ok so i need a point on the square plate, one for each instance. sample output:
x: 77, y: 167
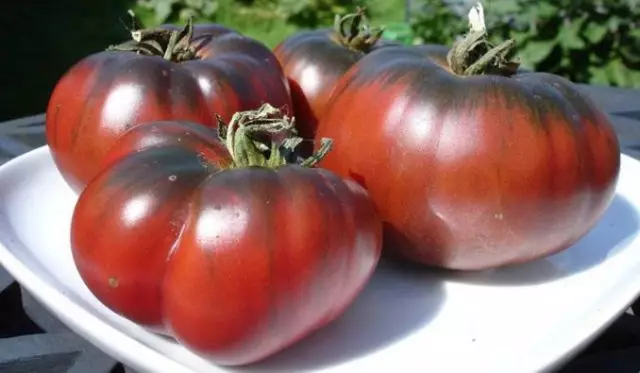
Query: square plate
x: 525, y: 318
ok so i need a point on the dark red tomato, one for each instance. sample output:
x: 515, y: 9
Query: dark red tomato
x: 236, y: 263
x: 213, y: 71
x: 471, y: 163
x: 314, y: 60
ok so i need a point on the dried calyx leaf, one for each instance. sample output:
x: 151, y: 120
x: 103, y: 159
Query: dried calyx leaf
x: 265, y: 137
x: 354, y: 32
x: 172, y: 45
x: 475, y: 55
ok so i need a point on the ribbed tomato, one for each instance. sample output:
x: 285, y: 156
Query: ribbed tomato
x: 233, y: 252
x: 314, y: 60
x: 471, y: 163
x: 162, y: 74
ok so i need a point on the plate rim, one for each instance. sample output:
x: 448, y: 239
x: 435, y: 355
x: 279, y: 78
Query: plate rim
x: 94, y: 329
x: 62, y: 306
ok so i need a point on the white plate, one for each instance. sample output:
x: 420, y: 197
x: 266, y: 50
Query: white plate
x: 522, y: 319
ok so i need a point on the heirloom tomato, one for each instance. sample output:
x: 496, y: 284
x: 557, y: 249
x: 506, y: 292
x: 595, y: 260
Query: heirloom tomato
x: 161, y: 74
x: 314, y: 60
x: 223, y: 244
x: 471, y: 162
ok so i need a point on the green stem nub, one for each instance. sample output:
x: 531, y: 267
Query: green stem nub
x: 265, y: 138
x: 475, y: 55
x: 172, y: 45
x: 353, y: 31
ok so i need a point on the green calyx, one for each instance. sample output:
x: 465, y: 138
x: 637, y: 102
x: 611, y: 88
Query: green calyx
x: 354, y: 32
x: 172, y: 45
x: 473, y: 54
x: 265, y: 138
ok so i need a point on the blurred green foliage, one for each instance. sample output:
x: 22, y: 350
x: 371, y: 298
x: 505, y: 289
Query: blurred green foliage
x: 171, y: 11
x: 596, y: 42
x: 267, y: 20
x: 588, y: 41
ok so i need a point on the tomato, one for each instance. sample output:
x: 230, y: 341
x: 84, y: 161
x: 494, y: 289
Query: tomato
x: 211, y: 70
x: 472, y: 163
x: 235, y: 254
x: 314, y: 60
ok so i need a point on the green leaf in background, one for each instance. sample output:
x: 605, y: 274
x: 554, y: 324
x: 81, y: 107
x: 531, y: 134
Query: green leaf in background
x: 615, y: 72
x: 518, y: 36
x: 545, y: 9
x: 630, y: 53
x: 400, y: 32
x: 613, y: 24
x: 163, y: 10
x: 197, y: 4
x: 569, y: 35
x: 187, y: 13
x: 620, y: 75
x: 535, y: 51
x: 435, y: 22
x: 502, y: 6
x: 598, y: 75
x: 594, y: 32
x: 210, y: 8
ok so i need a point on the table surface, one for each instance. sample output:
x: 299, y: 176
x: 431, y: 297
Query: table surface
x: 34, y: 341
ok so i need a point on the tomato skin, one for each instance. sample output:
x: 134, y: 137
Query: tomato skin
x: 313, y: 61
x: 265, y: 272
x: 236, y: 264
x: 471, y: 172
x: 109, y: 92
x: 162, y: 163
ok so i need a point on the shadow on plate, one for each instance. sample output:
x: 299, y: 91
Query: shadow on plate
x: 396, y: 302
x: 618, y: 224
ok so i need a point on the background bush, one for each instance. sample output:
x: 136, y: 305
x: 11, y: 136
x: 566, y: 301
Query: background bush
x: 596, y: 42
x: 587, y: 41
x: 267, y: 20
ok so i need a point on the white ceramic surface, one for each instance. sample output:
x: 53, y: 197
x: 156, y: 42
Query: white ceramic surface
x: 527, y: 318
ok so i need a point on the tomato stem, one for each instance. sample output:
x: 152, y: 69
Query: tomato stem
x: 265, y: 138
x: 172, y: 45
x: 475, y: 55
x: 325, y: 146
x: 353, y: 31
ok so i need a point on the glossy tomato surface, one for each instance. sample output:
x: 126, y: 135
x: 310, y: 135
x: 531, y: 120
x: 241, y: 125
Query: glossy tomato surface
x: 314, y: 60
x: 109, y: 92
x: 471, y: 172
x: 235, y: 263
